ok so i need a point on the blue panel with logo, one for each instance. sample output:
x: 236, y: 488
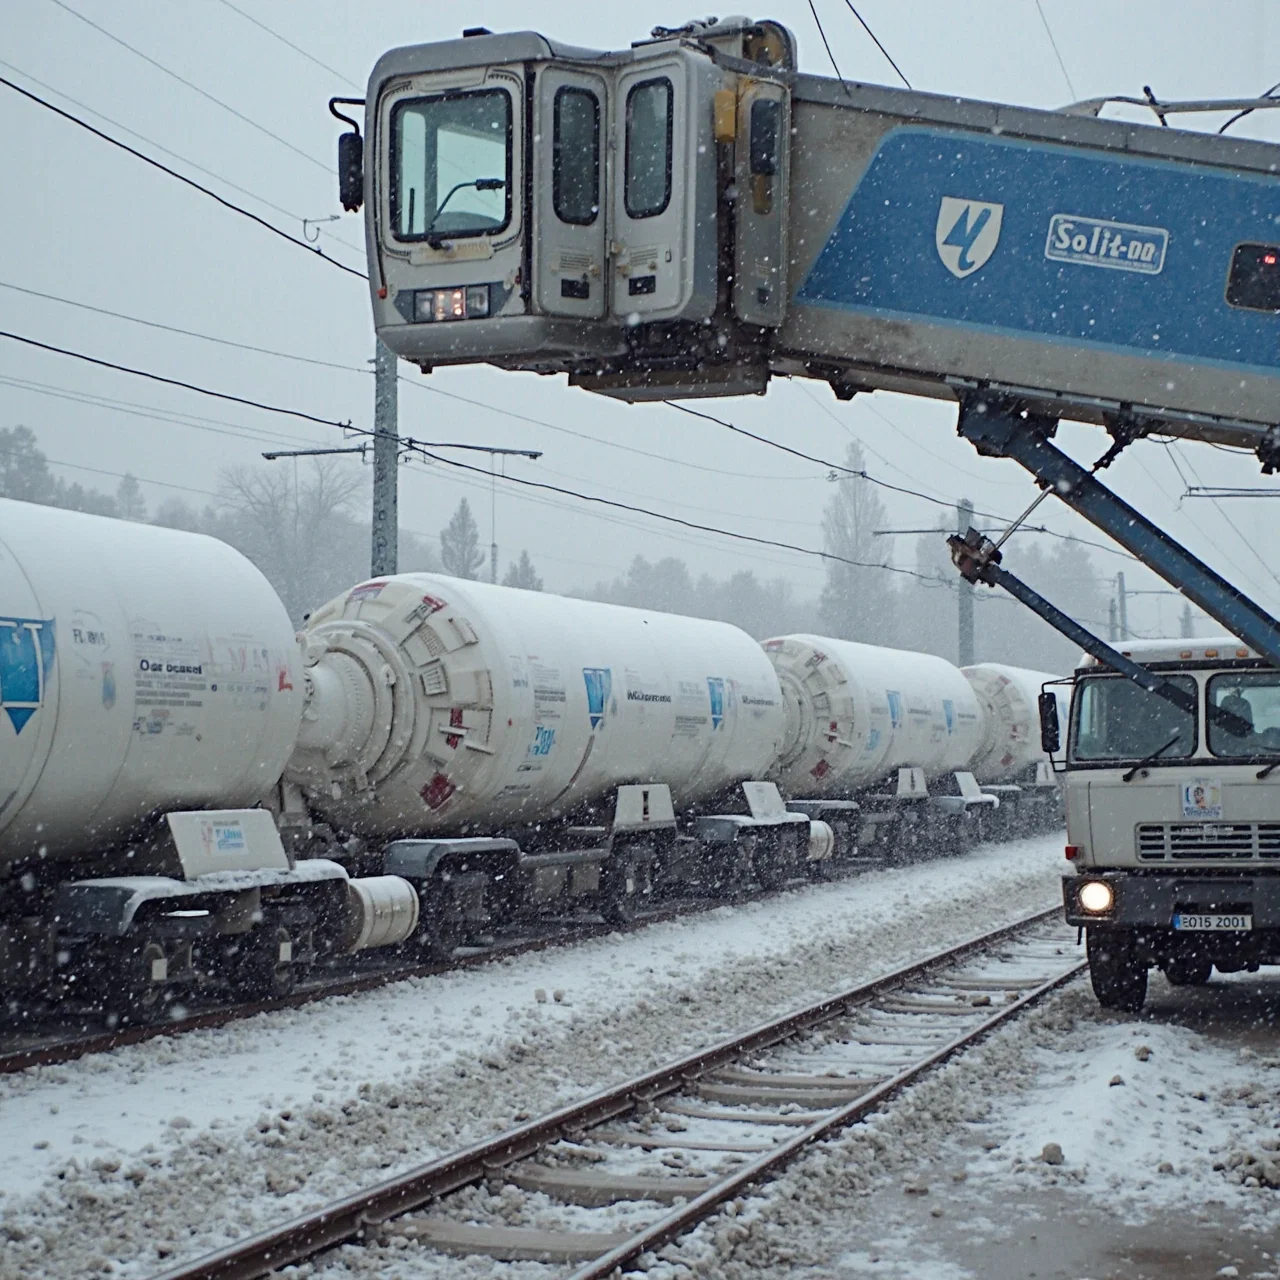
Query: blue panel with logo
x: 26, y: 661
x: 1039, y: 240
x: 599, y: 682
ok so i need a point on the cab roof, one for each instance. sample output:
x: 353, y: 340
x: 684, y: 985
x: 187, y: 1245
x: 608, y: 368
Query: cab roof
x: 1198, y: 650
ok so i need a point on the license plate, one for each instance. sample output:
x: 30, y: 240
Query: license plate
x: 1212, y: 922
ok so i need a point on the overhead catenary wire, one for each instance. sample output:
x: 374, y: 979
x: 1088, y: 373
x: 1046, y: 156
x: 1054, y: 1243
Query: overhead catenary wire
x: 1057, y: 53
x: 190, y: 84
x: 313, y: 250
x: 863, y: 474
x: 297, y: 48
x: 425, y: 449
x: 826, y: 44
x: 888, y: 56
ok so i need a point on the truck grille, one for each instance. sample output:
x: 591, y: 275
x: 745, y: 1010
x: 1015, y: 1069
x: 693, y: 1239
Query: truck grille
x: 1205, y: 841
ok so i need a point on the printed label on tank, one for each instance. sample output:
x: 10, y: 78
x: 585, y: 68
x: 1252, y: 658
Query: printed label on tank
x: 171, y: 682
x: 691, y: 716
x: 223, y: 837
x: 715, y: 690
x: 549, y: 698
x: 895, y: 707
x: 1093, y: 242
x: 967, y: 233
x: 599, y: 682
x: 26, y: 661
x: 243, y: 673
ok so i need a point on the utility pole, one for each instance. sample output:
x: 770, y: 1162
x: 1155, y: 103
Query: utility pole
x: 386, y: 458
x: 1113, y: 629
x: 964, y: 606
x: 1124, y: 607
x: 1188, y: 631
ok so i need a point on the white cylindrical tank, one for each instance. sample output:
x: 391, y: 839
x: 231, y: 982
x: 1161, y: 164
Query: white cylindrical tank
x: 1011, y: 733
x: 141, y: 669
x: 437, y: 704
x: 856, y: 713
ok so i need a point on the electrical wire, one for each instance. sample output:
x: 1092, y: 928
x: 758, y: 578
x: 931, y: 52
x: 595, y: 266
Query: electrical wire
x: 177, y: 155
x: 314, y: 250
x: 195, y: 88
x: 324, y: 66
x: 1240, y: 115
x: 879, y: 46
x: 1057, y: 53
x: 427, y: 450
x: 862, y: 474
x: 826, y: 44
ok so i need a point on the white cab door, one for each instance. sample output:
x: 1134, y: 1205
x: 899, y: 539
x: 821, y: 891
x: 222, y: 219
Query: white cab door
x: 570, y: 134
x: 650, y: 191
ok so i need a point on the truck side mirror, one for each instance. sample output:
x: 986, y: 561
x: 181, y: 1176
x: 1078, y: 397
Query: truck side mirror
x: 766, y: 116
x: 351, y: 171
x: 1050, y: 732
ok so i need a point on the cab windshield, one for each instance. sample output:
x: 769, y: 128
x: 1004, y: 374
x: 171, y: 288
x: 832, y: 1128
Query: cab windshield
x: 451, y: 165
x: 1118, y: 720
x: 1253, y: 696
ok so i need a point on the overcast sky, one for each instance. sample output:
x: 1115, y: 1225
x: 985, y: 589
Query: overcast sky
x: 83, y: 221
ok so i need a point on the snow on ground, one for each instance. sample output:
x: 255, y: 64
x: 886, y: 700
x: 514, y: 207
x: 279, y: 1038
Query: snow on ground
x: 1168, y: 1128
x: 161, y: 1150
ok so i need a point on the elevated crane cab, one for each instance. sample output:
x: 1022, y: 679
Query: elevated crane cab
x: 620, y: 217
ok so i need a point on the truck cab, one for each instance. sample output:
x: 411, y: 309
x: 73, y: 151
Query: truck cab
x: 1173, y: 816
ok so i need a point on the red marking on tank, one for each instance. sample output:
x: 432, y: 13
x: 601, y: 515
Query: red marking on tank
x: 1007, y: 759
x: 437, y: 791
x: 283, y: 682
x: 435, y: 605
x: 365, y: 591
x: 821, y: 769
x: 455, y: 722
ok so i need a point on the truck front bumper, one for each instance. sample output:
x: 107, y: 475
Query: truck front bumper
x: 1150, y: 900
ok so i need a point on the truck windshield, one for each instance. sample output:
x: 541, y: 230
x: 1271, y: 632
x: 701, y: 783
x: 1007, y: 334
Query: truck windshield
x: 451, y: 165
x: 1254, y: 696
x: 1117, y: 720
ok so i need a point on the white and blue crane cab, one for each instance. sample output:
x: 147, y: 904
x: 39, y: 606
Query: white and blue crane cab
x: 691, y: 216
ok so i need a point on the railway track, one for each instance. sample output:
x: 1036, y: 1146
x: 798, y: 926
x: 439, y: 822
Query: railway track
x: 633, y: 1167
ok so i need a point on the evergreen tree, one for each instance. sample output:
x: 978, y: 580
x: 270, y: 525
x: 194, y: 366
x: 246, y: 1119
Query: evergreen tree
x: 521, y: 573
x: 130, y: 504
x: 460, y: 543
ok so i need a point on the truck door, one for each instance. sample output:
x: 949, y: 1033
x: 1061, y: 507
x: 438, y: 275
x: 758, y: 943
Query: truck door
x: 650, y: 193
x: 569, y: 133
x: 761, y: 175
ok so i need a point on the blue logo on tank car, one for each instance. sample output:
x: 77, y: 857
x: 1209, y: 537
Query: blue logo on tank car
x: 26, y: 660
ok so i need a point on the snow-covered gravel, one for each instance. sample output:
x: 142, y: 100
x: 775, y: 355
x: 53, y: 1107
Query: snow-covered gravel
x: 116, y: 1163
x: 1169, y: 1137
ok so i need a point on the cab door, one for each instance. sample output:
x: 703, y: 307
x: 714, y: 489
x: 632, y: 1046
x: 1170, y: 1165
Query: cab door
x: 649, y: 197
x: 569, y: 133
x: 762, y: 175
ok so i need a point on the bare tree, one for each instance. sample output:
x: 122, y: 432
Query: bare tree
x: 298, y: 531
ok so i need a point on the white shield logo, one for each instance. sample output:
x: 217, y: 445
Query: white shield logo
x: 967, y: 233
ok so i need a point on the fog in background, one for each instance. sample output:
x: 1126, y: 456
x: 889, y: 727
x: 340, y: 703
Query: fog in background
x: 87, y: 223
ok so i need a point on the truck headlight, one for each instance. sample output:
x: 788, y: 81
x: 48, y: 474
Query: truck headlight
x: 1097, y: 897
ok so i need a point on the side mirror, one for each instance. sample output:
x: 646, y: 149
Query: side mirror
x: 766, y: 117
x: 1050, y: 731
x: 351, y: 171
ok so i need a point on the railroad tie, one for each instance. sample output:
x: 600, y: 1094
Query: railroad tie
x: 509, y: 1244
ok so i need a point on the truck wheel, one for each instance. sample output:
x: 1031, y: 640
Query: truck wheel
x: 1189, y: 971
x: 1119, y: 978
x: 624, y: 886
x: 138, y: 998
x: 441, y: 926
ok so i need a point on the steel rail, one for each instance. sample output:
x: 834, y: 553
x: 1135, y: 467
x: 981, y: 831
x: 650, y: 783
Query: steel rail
x: 350, y: 1217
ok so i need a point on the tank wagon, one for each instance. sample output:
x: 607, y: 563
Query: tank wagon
x: 148, y: 672
x: 193, y: 794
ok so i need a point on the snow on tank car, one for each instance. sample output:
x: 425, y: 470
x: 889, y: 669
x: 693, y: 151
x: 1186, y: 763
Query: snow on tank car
x: 442, y: 705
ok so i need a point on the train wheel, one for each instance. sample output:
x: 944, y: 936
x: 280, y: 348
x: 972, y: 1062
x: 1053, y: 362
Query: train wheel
x: 1119, y: 977
x: 442, y: 927
x: 139, y: 997
x: 271, y: 970
x: 624, y: 886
